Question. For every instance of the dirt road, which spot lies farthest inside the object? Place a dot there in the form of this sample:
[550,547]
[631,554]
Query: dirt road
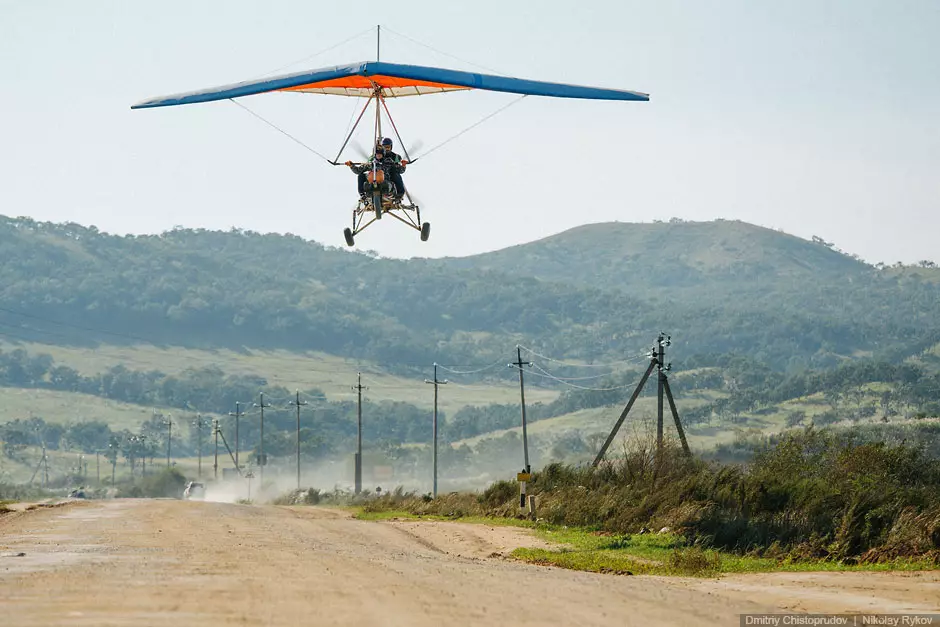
[165,562]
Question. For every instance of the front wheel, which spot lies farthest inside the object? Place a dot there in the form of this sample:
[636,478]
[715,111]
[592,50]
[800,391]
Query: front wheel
[377,204]
[347,233]
[425,231]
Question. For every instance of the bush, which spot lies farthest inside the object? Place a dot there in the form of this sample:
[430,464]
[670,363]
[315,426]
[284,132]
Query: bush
[499,494]
[693,561]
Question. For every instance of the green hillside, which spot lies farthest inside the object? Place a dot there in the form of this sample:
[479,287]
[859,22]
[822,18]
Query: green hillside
[662,256]
[595,293]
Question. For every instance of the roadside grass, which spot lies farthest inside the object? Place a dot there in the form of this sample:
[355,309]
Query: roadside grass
[642,554]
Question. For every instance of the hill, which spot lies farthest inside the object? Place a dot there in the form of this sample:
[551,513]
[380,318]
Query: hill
[669,256]
[598,293]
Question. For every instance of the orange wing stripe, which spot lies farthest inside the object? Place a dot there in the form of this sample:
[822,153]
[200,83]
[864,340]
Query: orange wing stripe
[363,82]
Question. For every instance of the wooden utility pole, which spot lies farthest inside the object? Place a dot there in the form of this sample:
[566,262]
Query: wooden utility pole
[525,439]
[199,424]
[261,459]
[215,432]
[297,403]
[358,471]
[661,343]
[169,438]
[238,414]
[436,383]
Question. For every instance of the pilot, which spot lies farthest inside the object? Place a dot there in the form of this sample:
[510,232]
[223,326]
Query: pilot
[390,163]
[394,173]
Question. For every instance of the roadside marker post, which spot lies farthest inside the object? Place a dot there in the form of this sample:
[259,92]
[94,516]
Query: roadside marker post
[522,478]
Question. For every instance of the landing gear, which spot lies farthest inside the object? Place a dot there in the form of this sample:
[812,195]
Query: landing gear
[348,234]
[425,231]
[377,204]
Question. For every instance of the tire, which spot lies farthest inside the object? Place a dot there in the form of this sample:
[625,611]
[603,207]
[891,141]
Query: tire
[425,231]
[377,204]
[347,233]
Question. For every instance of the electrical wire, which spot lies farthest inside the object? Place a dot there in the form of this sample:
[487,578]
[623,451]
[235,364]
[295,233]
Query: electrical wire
[629,360]
[478,370]
[581,387]
[585,378]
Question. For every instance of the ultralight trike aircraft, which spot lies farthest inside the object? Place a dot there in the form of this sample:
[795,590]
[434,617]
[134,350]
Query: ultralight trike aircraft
[377,81]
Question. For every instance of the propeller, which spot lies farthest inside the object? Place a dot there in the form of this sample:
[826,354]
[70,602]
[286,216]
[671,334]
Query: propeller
[413,148]
[364,154]
[359,150]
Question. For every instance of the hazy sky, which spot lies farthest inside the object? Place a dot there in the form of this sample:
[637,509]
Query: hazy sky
[817,117]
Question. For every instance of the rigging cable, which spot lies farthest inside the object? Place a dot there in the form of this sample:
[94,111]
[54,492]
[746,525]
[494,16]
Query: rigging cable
[280,130]
[471,127]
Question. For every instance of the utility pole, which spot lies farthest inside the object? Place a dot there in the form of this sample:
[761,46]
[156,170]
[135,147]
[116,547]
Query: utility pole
[297,403]
[45,466]
[358,472]
[661,343]
[169,438]
[656,355]
[215,463]
[238,414]
[98,466]
[199,423]
[525,439]
[436,383]
[113,455]
[261,459]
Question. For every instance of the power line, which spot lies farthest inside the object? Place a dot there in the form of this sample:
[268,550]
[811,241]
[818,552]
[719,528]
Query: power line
[584,378]
[573,385]
[629,360]
[496,363]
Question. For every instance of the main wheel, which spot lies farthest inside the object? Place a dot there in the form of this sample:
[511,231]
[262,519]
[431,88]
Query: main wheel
[377,204]
[425,231]
[347,233]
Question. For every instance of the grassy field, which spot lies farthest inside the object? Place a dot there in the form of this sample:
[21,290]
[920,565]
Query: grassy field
[334,375]
[648,554]
[65,407]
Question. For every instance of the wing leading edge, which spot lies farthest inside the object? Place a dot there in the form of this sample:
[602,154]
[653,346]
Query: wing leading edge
[396,80]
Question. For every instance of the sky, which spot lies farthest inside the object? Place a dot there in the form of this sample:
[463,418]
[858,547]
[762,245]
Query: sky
[812,116]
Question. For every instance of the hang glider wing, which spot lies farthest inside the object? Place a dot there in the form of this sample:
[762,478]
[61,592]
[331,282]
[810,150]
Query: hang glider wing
[396,80]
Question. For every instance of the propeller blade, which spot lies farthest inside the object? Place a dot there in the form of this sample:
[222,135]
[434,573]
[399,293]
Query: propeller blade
[359,150]
[415,148]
